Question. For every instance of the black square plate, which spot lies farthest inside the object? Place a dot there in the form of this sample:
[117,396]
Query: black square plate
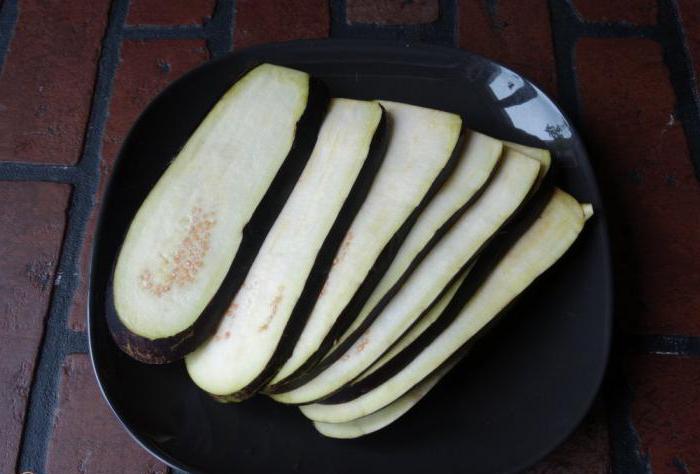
[519,394]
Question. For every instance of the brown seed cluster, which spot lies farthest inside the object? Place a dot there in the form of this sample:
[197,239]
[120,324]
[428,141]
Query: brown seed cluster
[231,311]
[225,335]
[274,306]
[359,346]
[362,343]
[183,266]
[343,248]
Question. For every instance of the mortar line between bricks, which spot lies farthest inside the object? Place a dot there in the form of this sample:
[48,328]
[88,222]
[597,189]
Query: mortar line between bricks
[492,10]
[617,30]
[76,343]
[336,10]
[54,344]
[219,30]
[442,31]
[449,10]
[155,32]
[665,345]
[57,336]
[682,76]
[565,26]
[8,21]
[39,172]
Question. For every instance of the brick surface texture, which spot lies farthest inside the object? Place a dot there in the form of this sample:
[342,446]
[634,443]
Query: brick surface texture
[638,12]
[32,219]
[146,68]
[86,437]
[641,156]
[587,451]
[269,21]
[47,80]
[172,12]
[665,411]
[518,35]
[392,12]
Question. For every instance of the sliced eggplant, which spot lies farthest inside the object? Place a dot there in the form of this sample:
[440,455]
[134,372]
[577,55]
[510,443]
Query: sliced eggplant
[477,161]
[475,167]
[455,251]
[422,153]
[417,329]
[425,330]
[384,417]
[554,230]
[540,154]
[262,323]
[191,240]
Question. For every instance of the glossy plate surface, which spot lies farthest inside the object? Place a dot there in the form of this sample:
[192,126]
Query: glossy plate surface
[523,389]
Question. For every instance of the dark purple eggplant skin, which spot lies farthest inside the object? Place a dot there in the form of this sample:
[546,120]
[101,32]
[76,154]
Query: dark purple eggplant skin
[524,212]
[351,311]
[322,263]
[482,268]
[170,349]
[320,361]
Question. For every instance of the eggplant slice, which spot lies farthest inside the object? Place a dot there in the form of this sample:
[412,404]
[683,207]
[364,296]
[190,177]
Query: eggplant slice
[262,323]
[477,161]
[461,190]
[422,153]
[191,240]
[384,417]
[541,155]
[455,251]
[553,232]
[418,328]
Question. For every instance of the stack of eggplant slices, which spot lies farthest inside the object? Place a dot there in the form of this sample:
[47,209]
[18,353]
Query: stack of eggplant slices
[336,254]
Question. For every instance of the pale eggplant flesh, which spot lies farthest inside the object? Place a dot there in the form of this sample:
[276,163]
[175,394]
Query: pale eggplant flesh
[418,328]
[463,177]
[462,189]
[477,160]
[423,151]
[541,155]
[266,315]
[424,287]
[385,416]
[191,241]
[509,270]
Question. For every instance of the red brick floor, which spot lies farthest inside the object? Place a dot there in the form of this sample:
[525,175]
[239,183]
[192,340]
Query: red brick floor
[638,12]
[32,218]
[630,118]
[177,12]
[47,79]
[389,12]
[266,21]
[641,155]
